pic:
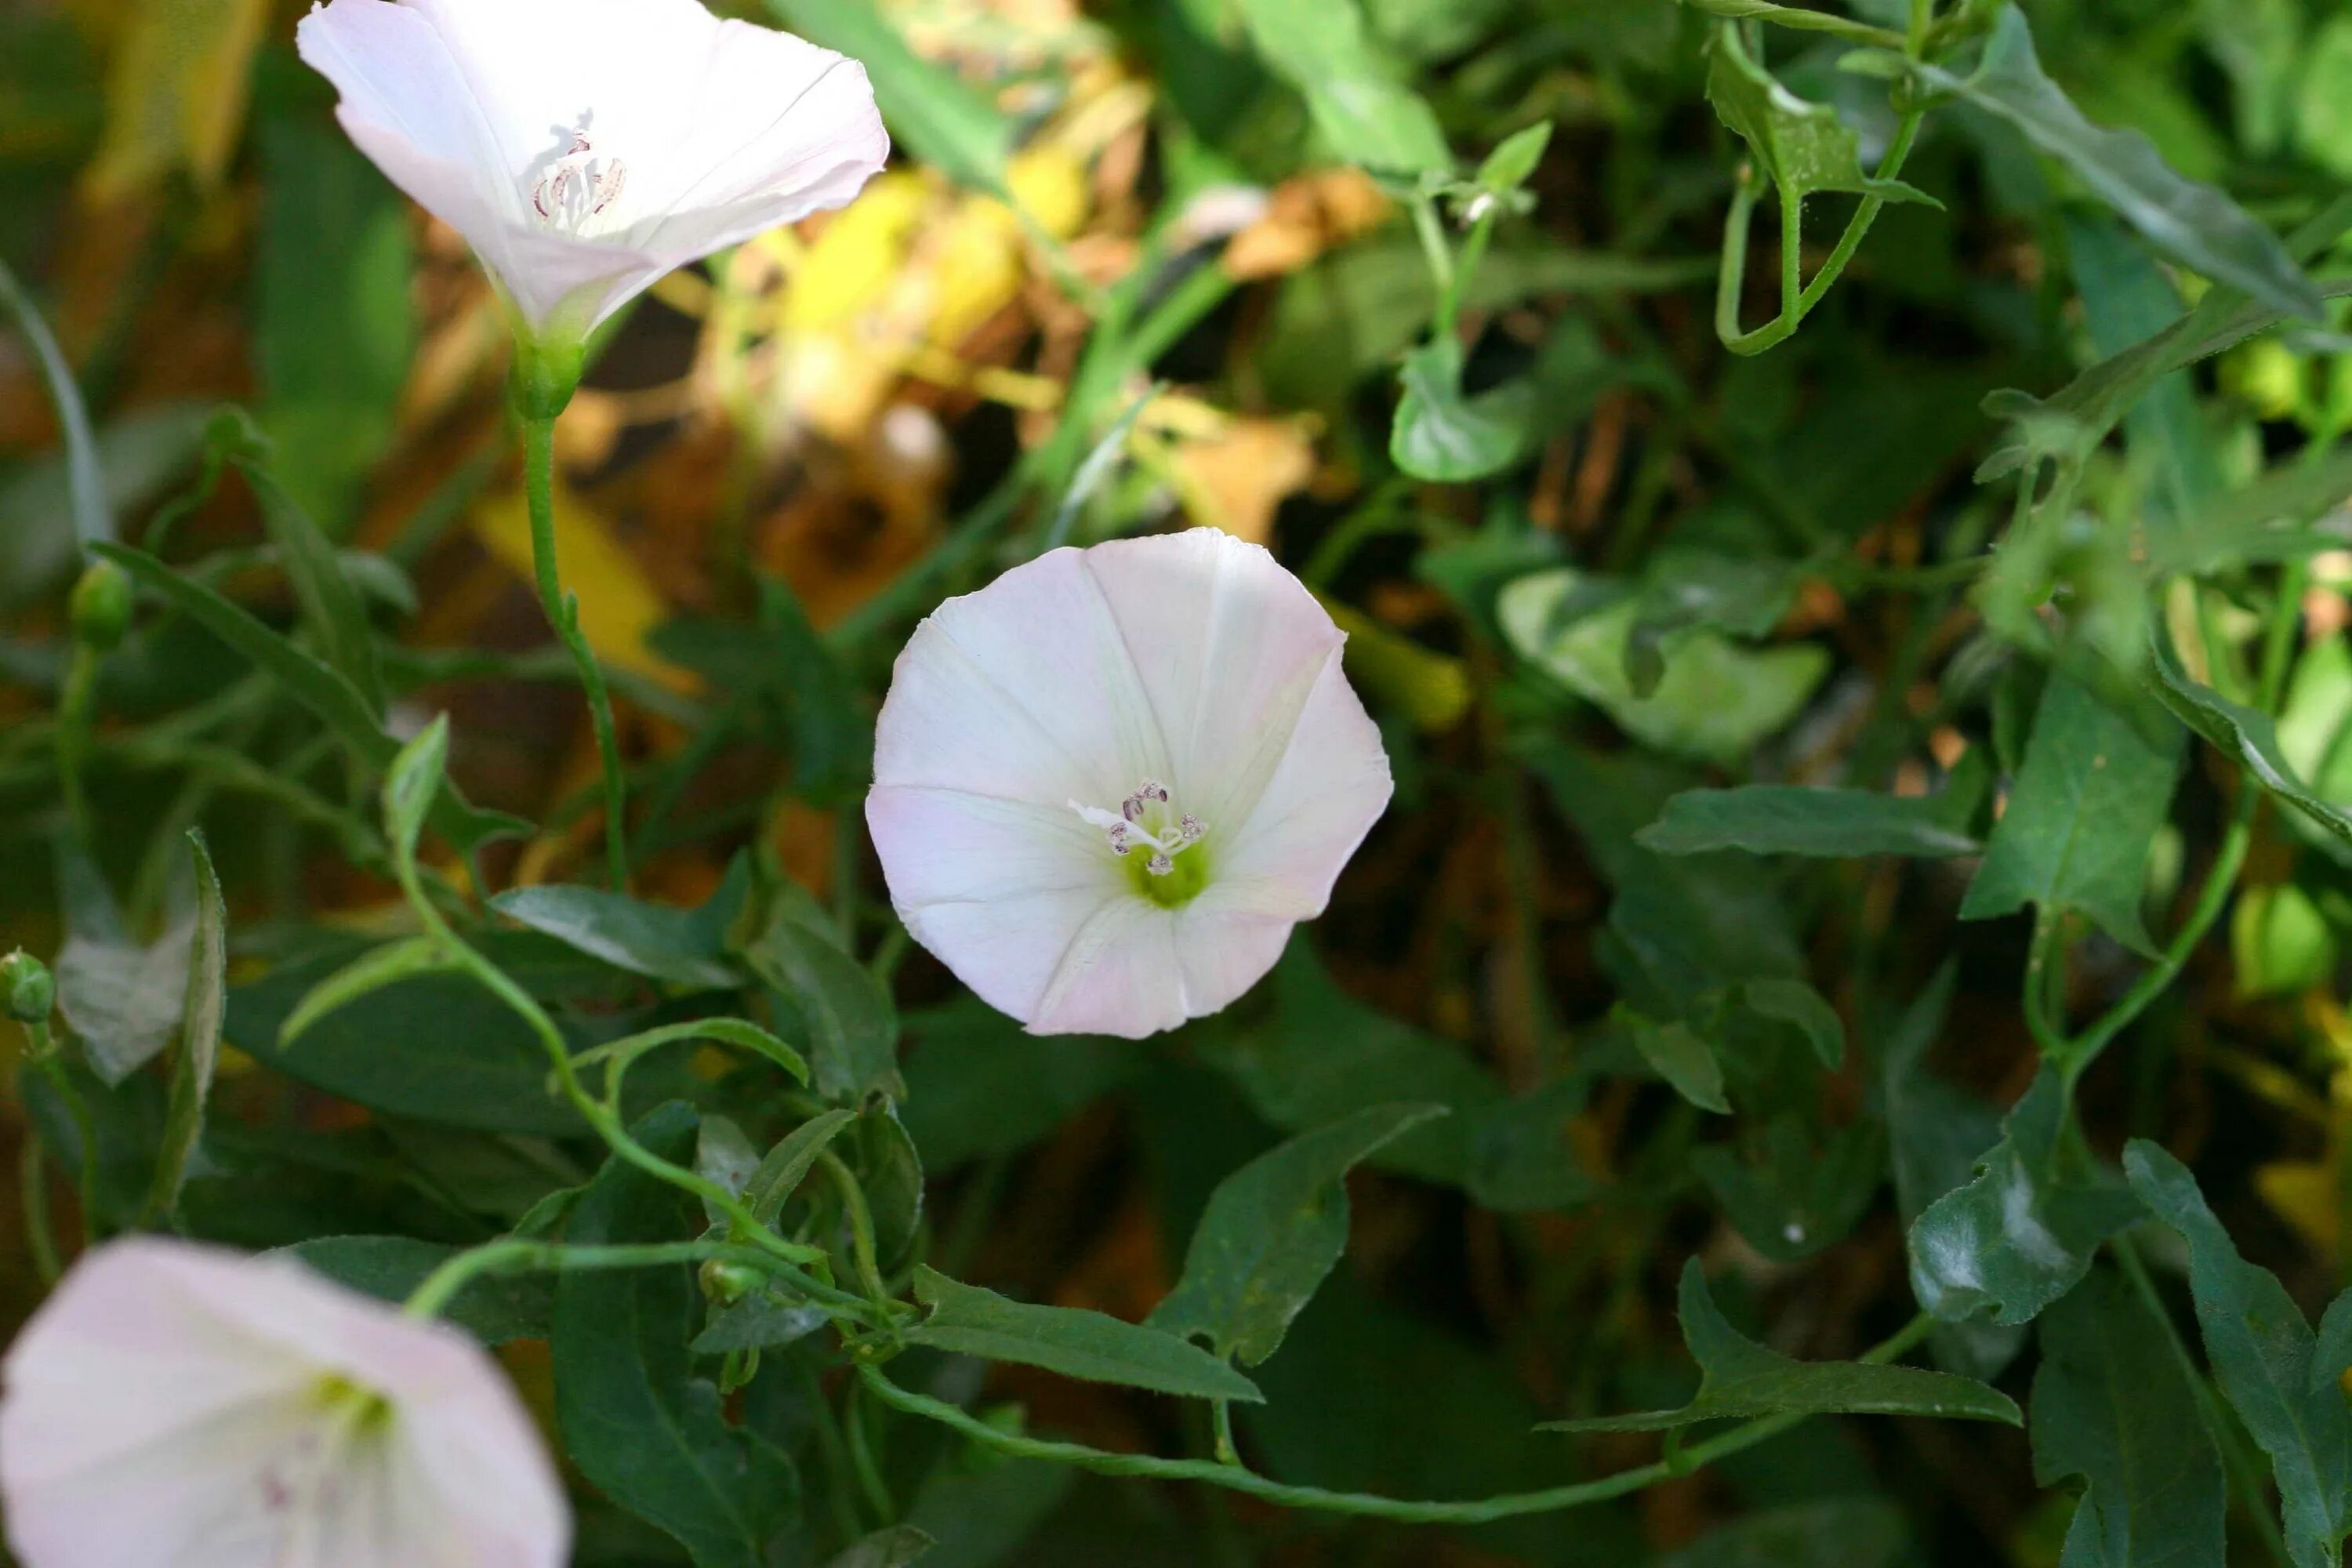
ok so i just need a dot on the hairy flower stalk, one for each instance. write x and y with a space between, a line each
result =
1108 784
584 148
176 1402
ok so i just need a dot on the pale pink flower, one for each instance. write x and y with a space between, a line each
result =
180 1406
1107 785
586 147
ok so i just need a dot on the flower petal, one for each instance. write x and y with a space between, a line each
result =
174 1403
1323 796
1025 690
1118 974
1229 645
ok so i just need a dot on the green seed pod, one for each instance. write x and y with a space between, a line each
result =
30 990
102 606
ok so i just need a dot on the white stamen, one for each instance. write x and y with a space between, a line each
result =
578 186
1143 818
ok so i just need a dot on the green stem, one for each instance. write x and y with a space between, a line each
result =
562 611
861 1231
438 1288
605 1121
1796 303
76 708
40 1237
1240 1479
868 1470
42 1054
1430 229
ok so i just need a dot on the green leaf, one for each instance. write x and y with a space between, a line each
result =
1515 159
1680 1056
1357 103
2266 1357
2243 733
334 327
1272 1231
2196 225
200 1037
93 519
761 1321
438 1048
1801 1189
2280 942
493 1308
410 784
1936 1135
2022 1232
2094 792
1849 1531
1324 1056
941 120
123 999
649 1434
674 945
1713 702
332 609
364 976
1794 1003
2110 1404
787 1165
2127 299
968 1320
1739 1378
1804 147
892 1548
978 1084
890 1172
2071 424
324 691
1791 819
852 1027
1441 436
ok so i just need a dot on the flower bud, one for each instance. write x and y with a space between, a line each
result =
725 1283
100 607
29 989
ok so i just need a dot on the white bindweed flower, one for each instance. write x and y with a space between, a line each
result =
586 147
1107 785
179 1405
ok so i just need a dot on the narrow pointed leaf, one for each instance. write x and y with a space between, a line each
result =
2266 1357
1272 1231
205 1009
1739 1378
969 1320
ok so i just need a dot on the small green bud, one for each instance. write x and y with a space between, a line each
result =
102 606
725 1283
31 991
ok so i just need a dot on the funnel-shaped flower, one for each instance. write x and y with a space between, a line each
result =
1107 785
176 1404
586 147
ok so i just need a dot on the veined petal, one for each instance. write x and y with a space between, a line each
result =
1225 942
178 1404
1323 796
585 147
1026 689
1117 974
946 845
1229 647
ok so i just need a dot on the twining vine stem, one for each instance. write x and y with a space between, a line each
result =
1371 1505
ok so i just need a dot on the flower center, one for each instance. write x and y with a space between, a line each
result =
1153 836
577 186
